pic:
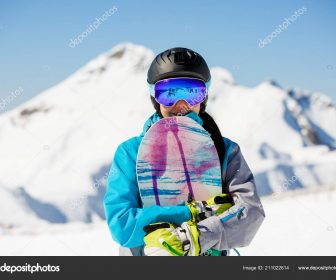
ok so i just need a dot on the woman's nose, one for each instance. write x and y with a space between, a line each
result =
181 107
181 103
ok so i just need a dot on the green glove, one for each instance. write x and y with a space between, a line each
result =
164 239
216 205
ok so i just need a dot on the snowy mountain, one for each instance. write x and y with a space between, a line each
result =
57 148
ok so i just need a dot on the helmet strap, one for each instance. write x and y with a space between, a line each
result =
203 105
156 106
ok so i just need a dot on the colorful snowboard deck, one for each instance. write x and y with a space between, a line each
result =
177 157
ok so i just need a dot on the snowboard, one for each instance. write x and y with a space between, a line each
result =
177 159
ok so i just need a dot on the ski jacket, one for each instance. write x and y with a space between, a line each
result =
126 217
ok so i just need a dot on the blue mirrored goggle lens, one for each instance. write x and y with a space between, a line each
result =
168 91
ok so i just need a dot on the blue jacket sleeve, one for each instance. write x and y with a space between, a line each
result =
123 211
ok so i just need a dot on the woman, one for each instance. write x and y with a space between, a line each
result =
143 230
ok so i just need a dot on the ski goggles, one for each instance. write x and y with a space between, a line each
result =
168 91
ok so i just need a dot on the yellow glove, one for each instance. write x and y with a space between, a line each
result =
215 205
164 239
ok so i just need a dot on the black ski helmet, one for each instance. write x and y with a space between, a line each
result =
178 62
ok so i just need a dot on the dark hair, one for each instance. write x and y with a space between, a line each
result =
210 125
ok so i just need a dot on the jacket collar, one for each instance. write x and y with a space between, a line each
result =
155 118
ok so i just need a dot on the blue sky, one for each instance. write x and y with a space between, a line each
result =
35 36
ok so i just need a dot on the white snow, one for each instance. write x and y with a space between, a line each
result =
298 223
73 239
221 74
57 148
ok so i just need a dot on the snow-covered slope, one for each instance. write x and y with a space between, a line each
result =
72 239
285 135
57 148
298 223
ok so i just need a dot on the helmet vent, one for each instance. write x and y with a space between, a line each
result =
162 59
182 58
168 56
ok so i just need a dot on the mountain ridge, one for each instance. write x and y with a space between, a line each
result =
57 145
